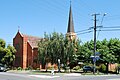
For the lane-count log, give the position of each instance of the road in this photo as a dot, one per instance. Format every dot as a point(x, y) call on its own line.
point(70, 76)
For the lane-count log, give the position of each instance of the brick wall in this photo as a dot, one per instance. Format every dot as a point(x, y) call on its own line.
point(17, 43)
point(29, 55)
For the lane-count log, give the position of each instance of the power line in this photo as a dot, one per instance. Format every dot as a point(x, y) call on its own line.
point(101, 24)
point(110, 30)
point(84, 32)
point(112, 27)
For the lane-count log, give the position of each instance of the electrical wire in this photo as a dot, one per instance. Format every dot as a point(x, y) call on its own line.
point(84, 32)
point(109, 30)
point(101, 25)
point(112, 27)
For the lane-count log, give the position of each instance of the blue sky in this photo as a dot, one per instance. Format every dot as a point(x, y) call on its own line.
point(38, 16)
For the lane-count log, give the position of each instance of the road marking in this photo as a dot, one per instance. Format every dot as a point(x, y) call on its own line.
point(114, 79)
point(43, 76)
point(73, 74)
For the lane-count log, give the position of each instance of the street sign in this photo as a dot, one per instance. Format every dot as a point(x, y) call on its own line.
point(95, 58)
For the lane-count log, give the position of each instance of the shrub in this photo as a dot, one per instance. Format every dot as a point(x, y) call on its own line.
point(76, 68)
point(27, 68)
point(30, 68)
point(38, 69)
point(102, 68)
point(50, 68)
point(19, 68)
point(118, 65)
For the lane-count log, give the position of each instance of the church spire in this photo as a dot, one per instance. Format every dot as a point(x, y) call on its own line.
point(70, 22)
point(70, 31)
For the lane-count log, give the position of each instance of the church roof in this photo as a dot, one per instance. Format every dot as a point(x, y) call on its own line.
point(70, 22)
point(32, 40)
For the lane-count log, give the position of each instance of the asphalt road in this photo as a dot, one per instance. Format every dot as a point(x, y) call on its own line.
point(71, 76)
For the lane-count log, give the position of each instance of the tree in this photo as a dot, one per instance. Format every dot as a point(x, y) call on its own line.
point(42, 50)
point(85, 51)
point(7, 55)
point(105, 52)
point(103, 47)
point(2, 43)
point(51, 47)
point(114, 48)
point(56, 46)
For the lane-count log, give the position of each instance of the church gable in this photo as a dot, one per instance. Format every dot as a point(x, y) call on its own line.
point(18, 35)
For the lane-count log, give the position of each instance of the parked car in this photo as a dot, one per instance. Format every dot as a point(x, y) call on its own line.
point(88, 68)
point(3, 68)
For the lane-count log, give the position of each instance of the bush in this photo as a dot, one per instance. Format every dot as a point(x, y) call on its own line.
point(76, 68)
point(38, 69)
point(118, 65)
point(102, 68)
point(27, 68)
point(50, 68)
point(19, 68)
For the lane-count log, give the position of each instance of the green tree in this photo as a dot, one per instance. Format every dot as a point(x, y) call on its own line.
point(85, 51)
point(2, 43)
point(7, 55)
point(58, 47)
point(42, 49)
point(103, 47)
point(114, 48)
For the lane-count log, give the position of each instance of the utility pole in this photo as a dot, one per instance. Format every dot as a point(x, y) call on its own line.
point(94, 59)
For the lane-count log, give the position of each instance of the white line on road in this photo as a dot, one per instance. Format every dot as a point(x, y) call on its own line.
point(43, 76)
point(114, 79)
point(73, 74)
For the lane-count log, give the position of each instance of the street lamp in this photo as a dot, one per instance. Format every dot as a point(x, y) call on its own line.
point(59, 65)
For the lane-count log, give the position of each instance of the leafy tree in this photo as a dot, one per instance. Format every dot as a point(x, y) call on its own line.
point(42, 52)
point(7, 55)
point(85, 51)
point(58, 47)
point(2, 43)
point(105, 52)
point(114, 48)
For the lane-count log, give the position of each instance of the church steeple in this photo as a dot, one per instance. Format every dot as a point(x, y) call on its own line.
point(70, 22)
point(70, 31)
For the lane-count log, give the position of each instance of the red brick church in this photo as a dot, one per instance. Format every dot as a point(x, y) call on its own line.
point(27, 49)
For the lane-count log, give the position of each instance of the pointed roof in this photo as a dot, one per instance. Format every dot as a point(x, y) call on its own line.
point(32, 40)
point(70, 22)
